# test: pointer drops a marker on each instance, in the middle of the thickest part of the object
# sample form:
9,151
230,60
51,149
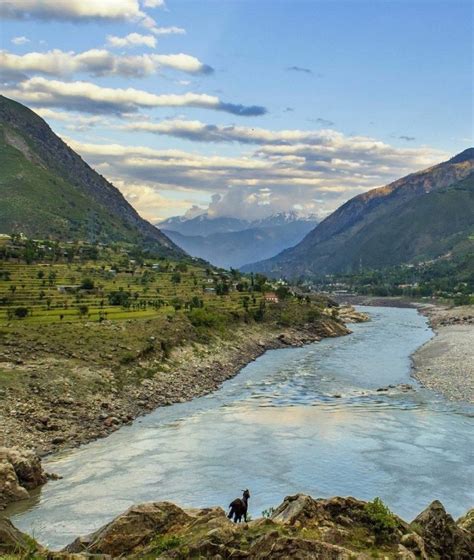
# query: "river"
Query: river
296,420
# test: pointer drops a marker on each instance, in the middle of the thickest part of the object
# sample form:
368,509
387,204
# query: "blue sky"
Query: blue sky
277,105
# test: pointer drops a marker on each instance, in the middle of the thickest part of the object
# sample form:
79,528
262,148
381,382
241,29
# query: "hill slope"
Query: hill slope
230,242
48,191
418,217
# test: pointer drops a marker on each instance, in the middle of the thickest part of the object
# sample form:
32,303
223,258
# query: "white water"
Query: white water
278,429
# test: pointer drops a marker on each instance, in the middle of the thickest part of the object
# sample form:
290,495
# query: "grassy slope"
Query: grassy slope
356,229
422,229
48,191
40,203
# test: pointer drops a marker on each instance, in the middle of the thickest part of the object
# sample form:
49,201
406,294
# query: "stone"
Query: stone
20,471
132,529
442,537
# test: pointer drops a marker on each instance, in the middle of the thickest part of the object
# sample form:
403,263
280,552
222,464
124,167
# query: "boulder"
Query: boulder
14,541
27,466
133,529
441,536
275,547
466,522
20,471
10,488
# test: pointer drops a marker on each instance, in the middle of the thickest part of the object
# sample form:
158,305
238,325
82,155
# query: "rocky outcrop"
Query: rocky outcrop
300,528
132,529
442,537
20,471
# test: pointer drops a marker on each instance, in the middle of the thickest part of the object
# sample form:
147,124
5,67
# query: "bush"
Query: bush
201,317
119,297
87,284
21,312
382,519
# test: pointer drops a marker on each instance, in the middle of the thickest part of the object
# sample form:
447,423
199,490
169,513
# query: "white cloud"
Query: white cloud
153,3
131,40
91,98
71,9
20,40
263,182
99,62
173,30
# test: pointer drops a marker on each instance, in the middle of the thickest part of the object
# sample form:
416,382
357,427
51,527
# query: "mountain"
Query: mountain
230,242
49,191
203,225
421,216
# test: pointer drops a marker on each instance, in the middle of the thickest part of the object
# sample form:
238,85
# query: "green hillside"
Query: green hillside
420,217
48,191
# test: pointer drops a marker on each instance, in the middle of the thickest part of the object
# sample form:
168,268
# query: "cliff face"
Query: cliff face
301,527
48,190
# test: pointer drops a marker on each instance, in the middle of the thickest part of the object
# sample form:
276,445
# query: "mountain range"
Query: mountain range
231,242
422,216
48,191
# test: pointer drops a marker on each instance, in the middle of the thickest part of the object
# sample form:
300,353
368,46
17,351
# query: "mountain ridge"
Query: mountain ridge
48,190
333,246
231,242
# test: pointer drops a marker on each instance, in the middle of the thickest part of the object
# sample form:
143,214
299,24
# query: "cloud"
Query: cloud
153,3
20,40
312,178
131,40
323,122
91,98
201,132
299,69
72,10
100,62
172,30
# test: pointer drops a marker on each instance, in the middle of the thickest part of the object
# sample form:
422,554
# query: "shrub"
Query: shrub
119,297
201,317
381,518
87,284
21,312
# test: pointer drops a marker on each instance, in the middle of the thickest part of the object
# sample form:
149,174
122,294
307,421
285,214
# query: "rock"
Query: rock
132,529
466,522
13,541
415,544
10,488
442,537
20,471
275,547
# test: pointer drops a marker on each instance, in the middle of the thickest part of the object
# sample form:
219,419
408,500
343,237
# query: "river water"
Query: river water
295,420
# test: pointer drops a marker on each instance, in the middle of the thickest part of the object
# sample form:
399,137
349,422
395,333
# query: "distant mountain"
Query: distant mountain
49,191
203,225
419,217
231,242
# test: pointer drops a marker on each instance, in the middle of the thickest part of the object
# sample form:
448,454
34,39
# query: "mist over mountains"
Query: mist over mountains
233,242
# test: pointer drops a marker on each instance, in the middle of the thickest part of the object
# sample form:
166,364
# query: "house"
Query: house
271,297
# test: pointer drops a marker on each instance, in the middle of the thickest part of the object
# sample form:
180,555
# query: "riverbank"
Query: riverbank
445,364
64,393
300,527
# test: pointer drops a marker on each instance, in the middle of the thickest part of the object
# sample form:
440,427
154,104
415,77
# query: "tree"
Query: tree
176,278
21,312
83,310
87,284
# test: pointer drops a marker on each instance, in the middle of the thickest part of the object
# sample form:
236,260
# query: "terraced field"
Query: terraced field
97,291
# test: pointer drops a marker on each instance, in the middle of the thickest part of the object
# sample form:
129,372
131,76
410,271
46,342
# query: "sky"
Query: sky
245,108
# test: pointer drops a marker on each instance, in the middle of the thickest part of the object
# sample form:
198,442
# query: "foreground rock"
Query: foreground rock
301,528
20,471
